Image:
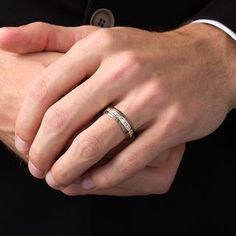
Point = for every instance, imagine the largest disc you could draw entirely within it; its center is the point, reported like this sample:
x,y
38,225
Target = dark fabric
x,y
153,15
61,12
202,198
223,11
161,16
29,207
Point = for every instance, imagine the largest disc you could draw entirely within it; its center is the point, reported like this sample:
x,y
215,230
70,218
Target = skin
x,y
17,72
175,87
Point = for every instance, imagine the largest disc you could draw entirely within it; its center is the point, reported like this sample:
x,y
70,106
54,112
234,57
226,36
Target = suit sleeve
x,y
223,11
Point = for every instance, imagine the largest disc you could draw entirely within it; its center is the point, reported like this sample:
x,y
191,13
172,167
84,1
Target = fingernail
x,y
35,171
21,145
52,183
87,184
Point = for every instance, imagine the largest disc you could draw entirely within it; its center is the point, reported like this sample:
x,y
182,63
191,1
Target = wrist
x,y
218,51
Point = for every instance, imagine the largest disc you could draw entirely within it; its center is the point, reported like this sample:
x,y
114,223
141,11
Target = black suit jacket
x,y
159,15
202,198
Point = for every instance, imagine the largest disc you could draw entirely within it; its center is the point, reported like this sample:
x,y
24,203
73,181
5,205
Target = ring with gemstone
x,y
122,120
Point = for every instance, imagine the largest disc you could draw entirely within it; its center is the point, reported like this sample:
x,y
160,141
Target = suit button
x,y
103,18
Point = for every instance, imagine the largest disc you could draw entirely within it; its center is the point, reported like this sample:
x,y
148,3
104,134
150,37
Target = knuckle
x,y
132,59
179,124
128,67
153,97
38,90
103,181
157,93
55,119
173,123
39,25
90,148
129,165
61,175
106,37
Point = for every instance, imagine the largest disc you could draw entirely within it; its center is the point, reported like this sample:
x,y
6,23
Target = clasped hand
x,y
175,87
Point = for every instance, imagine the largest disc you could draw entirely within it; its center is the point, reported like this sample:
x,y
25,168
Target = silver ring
x,y
122,120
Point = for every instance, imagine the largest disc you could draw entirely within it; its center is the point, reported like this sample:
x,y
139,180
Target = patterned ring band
x,y
121,119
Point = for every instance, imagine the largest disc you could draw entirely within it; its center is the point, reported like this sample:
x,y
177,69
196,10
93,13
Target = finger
x,y
39,36
87,100
88,148
48,88
134,158
62,120
150,180
116,150
157,162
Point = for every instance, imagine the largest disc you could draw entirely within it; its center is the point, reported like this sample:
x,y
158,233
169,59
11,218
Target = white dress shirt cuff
x,y
218,25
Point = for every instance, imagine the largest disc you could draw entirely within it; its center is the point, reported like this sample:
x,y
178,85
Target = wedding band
x,y
121,119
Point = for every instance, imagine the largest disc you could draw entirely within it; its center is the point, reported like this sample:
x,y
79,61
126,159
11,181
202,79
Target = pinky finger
x,y
150,180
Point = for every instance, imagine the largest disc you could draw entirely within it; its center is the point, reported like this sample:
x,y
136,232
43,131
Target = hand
x,y
16,72
156,177
150,70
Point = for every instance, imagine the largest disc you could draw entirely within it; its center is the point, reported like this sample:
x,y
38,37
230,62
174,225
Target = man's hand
x,y
16,73
175,87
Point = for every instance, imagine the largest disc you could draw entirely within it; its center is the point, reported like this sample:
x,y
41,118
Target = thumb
x,y
38,36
